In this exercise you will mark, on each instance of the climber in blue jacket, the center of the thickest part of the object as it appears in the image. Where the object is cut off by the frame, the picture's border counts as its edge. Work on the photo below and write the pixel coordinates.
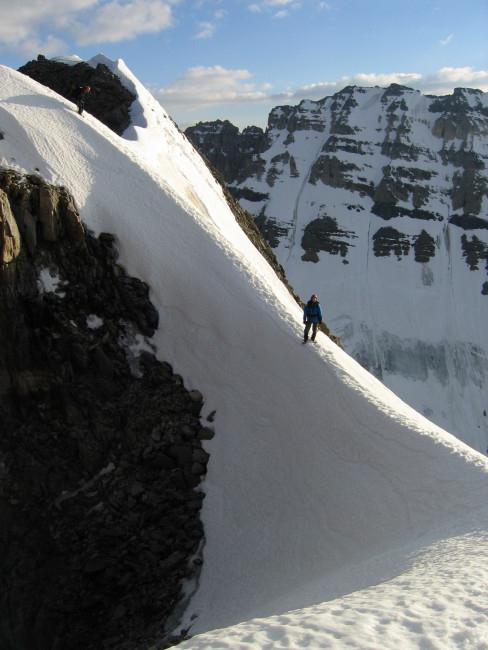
(312, 316)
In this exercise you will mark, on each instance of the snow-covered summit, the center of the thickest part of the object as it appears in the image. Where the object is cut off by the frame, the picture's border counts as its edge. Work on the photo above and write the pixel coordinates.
(321, 481)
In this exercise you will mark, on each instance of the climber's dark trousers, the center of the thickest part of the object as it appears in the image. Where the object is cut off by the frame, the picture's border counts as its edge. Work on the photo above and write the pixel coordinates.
(307, 330)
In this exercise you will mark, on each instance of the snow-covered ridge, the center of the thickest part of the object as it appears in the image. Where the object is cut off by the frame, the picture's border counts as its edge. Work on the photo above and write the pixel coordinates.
(321, 481)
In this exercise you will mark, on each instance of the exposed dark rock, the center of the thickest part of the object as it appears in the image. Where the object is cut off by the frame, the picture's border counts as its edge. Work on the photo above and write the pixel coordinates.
(390, 211)
(235, 155)
(307, 116)
(100, 452)
(396, 90)
(468, 190)
(462, 158)
(469, 222)
(270, 230)
(249, 195)
(389, 240)
(279, 118)
(403, 184)
(323, 234)
(342, 104)
(397, 143)
(348, 145)
(424, 247)
(205, 433)
(109, 100)
(458, 118)
(474, 250)
(278, 165)
(337, 173)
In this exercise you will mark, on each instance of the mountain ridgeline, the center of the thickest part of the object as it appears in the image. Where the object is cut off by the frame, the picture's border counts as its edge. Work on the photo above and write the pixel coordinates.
(378, 199)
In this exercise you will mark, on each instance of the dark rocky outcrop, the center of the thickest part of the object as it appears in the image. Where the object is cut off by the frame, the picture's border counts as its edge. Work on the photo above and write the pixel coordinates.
(342, 104)
(337, 173)
(307, 116)
(475, 252)
(234, 154)
(469, 222)
(459, 114)
(324, 234)
(280, 164)
(424, 247)
(100, 448)
(403, 184)
(389, 240)
(347, 145)
(468, 190)
(109, 100)
(248, 194)
(387, 210)
(270, 230)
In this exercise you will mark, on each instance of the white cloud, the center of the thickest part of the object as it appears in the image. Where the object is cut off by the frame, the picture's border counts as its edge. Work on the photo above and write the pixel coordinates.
(20, 26)
(34, 26)
(207, 30)
(446, 79)
(116, 21)
(205, 86)
(50, 46)
(384, 79)
(447, 40)
(465, 74)
(278, 8)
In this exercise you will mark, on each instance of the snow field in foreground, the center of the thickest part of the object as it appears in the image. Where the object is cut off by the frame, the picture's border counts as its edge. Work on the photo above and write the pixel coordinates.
(440, 603)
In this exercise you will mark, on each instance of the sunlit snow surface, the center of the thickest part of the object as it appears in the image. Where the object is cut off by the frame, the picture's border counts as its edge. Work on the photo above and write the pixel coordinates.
(321, 483)
(439, 602)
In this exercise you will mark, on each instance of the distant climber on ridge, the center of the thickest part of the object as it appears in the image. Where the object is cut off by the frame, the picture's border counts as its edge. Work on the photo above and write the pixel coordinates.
(312, 317)
(80, 96)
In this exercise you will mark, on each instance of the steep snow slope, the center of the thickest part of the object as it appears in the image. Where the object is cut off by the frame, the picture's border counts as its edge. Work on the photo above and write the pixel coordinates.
(377, 199)
(321, 480)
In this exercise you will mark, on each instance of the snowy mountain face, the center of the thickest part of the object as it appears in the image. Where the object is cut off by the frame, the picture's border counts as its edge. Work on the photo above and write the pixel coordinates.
(377, 199)
(325, 493)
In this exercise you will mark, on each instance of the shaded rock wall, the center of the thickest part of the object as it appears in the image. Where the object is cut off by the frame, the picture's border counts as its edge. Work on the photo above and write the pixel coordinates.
(100, 444)
(109, 100)
(234, 154)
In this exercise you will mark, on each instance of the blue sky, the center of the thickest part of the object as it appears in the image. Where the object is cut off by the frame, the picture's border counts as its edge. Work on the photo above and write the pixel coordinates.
(236, 59)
